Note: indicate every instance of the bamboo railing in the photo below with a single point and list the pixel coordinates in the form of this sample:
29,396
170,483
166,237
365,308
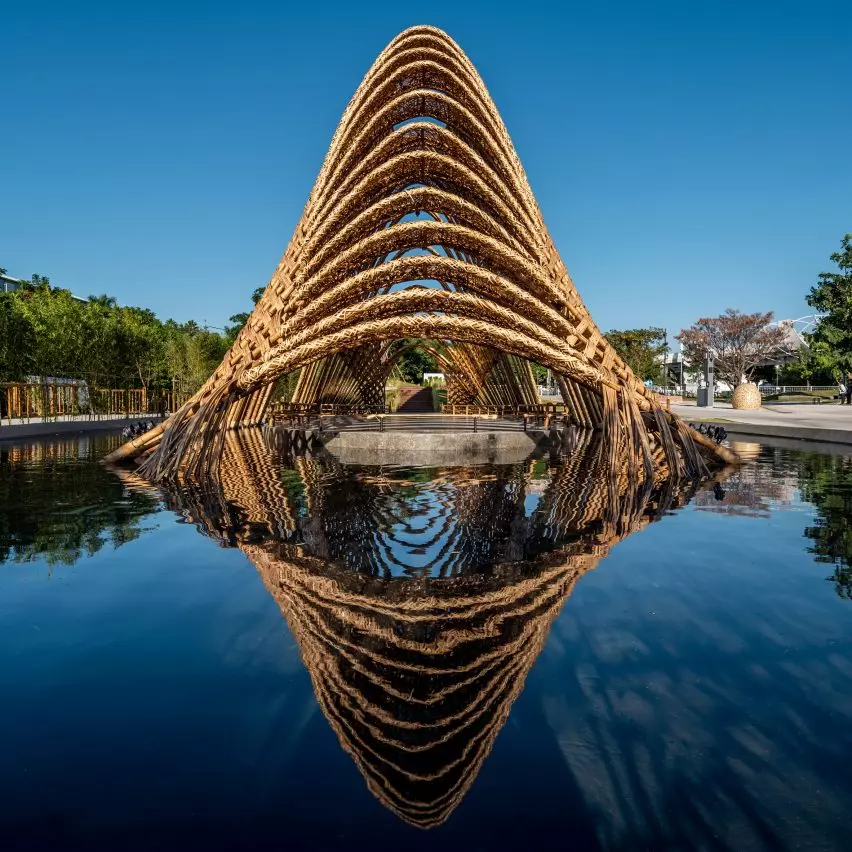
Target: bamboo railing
52,400
547,408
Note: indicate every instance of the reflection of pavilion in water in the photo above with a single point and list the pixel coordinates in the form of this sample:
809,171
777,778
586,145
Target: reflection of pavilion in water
419,625
752,490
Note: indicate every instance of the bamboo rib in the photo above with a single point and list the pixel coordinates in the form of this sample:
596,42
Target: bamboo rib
421,183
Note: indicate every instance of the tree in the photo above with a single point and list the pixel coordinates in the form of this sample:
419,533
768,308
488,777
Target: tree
46,332
204,352
414,362
539,373
63,343
143,344
737,342
641,349
192,354
814,364
103,300
98,356
239,320
833,298
37,282
16,340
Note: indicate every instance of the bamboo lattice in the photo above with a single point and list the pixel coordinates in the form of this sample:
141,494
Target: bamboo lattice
421,225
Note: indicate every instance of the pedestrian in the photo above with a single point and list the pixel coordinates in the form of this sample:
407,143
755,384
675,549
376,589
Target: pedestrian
849,388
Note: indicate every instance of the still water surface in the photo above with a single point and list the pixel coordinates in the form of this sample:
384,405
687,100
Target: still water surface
318,656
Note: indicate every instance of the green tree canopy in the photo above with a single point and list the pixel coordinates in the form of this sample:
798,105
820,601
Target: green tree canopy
414,362
45,331
832,296
16,340
142,342
192,354
641,349
239,320
539,373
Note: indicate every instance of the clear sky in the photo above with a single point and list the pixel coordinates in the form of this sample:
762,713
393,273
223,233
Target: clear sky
688,156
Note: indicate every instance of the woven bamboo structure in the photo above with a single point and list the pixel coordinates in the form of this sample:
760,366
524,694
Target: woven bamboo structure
418,639
421,226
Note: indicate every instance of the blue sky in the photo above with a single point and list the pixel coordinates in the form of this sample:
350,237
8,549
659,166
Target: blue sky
687,156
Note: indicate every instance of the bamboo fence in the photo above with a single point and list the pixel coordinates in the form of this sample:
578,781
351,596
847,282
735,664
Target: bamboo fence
51,400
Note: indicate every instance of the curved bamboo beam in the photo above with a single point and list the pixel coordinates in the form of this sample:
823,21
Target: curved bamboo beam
422,137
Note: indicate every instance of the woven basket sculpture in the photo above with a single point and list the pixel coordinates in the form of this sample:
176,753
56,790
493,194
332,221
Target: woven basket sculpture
746,396
421,187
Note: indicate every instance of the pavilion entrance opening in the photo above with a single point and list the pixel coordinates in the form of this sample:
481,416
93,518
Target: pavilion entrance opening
417,375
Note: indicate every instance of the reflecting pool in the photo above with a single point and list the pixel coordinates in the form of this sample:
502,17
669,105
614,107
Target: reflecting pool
310,655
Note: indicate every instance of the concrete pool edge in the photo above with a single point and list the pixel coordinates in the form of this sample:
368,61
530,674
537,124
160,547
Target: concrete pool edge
55,428
796,433
819,424
448,448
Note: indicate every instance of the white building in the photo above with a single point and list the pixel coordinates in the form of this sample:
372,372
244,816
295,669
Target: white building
9,284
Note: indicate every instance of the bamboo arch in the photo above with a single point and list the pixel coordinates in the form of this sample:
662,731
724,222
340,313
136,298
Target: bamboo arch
421,224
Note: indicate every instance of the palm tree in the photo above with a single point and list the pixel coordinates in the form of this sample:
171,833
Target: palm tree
103,300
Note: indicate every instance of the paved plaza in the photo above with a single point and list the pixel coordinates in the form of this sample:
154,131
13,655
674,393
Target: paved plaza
828,422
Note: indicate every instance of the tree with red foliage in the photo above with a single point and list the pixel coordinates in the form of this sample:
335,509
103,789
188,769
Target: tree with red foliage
737,342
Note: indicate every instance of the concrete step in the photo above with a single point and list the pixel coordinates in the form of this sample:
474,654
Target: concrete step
414,399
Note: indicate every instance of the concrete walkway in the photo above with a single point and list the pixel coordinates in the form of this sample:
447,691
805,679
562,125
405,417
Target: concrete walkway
825,423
